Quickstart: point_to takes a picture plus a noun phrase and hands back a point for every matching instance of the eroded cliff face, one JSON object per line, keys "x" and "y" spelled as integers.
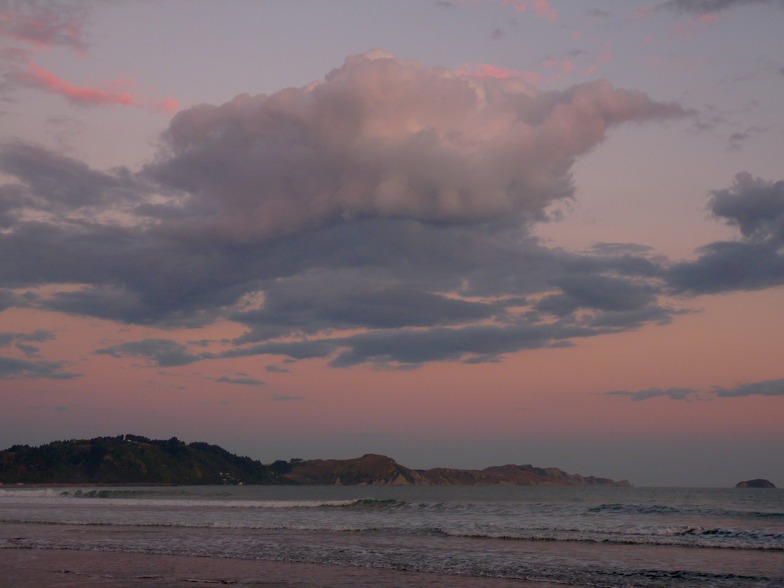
{"x": 378, "y": 470}
{"x": 370, "y": 469}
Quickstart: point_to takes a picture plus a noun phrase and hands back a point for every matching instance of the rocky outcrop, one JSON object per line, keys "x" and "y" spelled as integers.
{"x": 756, "y": 483}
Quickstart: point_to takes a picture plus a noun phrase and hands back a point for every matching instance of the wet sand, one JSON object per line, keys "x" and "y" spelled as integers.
{"x": 28, "y": 568}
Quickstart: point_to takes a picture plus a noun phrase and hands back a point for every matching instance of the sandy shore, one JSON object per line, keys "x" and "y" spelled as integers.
{"x": 23, "y": 568}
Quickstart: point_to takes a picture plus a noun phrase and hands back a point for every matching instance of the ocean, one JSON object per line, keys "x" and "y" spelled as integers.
{"x": 586, "y": 536}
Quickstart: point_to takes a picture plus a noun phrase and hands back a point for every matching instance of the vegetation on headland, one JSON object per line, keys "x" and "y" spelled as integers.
{"x": 132, "y": 459}
{"x": 129, "y": 459}
{"x": 755, "y": 483}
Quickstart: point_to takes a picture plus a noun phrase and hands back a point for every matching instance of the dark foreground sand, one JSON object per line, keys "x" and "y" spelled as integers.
{"x": 44, "y": 568}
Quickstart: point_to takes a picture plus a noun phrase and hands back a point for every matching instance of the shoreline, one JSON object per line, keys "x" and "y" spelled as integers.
{"x": 58, "y": 568}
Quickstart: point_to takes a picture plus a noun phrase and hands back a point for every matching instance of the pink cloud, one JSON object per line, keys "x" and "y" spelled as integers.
{"x": 106, "y": 93}
{"x": 167, "y": 105}
{"x": 604, "y": 57}
{"x": 541, "y": 8}
{"x": 389, "y": 138}
{"x": 694, "y": 25}
{"x": 484, "y": 70}
{"x": 644, "y": 12}
{"x": 562, "y": 66}
{"x": 44, "y": 25}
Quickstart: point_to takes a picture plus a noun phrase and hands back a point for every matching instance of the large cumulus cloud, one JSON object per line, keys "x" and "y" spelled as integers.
{"x": 384, "y": 137}
{"x": 380, "y": 216}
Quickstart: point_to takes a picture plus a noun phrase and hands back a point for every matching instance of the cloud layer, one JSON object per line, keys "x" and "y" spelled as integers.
{"x": 756, "y": 207}
{"x": 379, "y": 216}
{"x": 762, "y": 388}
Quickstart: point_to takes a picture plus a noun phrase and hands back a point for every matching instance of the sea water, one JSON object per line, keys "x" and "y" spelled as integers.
{"x": 572, "y": 536}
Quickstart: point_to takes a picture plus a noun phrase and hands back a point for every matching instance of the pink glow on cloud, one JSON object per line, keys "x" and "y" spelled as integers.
{"x": 541, "y": 8}
{"x": 484, "y": 70}
{"x": 106, "y": 93}
{"x": 644, "y": 12}
{"x": 48, "y": 25}
{"x": 695, "y": 25}
{"x": 167, "y": 105}
{"x": 44, "y": 27}
{"x": 648, "y": 39}
{"x": 563, "y": 66}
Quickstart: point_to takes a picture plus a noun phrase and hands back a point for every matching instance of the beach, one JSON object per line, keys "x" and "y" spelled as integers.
{"x": 35, "y": 568}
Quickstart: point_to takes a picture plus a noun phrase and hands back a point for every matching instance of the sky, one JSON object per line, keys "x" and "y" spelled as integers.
{"x": 460, "y": 233}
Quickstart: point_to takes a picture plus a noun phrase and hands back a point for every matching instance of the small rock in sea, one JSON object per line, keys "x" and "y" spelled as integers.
{"x": 756, "y": 483}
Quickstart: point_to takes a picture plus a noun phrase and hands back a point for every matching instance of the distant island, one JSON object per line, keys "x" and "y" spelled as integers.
{"x": 756, "y": 483}
{"x": 133, "y": 459}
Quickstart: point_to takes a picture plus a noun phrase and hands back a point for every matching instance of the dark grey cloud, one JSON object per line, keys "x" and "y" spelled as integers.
{"x": 8, "y": 299}
{"x": 756, "y": 207}
{"x": 737, "y": 140}
{"x": 38, "y": 336}
{"x": 12, "y": 201}
{"x": 287, "y": 398}
{"x": 753, "y": 205}
{"x": 407, "y": 348}
{"x": 597, "y": 292}
{"x": 468, "y": 344}
{"x": 162, "y": 351}
{"x": 26, "y": 342}
{"x": 712, "y": 6}
{"x": 342, "y": 299}
{"x": 383, "y": 216}
{"x": 241, "y": 381}
{"x": 764, "y": 388}
{"x": 730, "y": 266}
{"x": 23, "y": 368}
{"x": 52, "y": 182}
{"x": 671, "y": 393}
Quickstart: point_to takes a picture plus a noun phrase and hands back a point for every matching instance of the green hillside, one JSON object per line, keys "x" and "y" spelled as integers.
{"x": 130, "y": 459}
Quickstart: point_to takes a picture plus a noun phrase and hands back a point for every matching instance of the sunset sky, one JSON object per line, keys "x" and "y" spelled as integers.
{"x": 460, "y": 233}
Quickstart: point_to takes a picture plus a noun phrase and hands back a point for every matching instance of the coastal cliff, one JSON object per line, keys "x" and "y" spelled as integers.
{"x": 132, "y": 459}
